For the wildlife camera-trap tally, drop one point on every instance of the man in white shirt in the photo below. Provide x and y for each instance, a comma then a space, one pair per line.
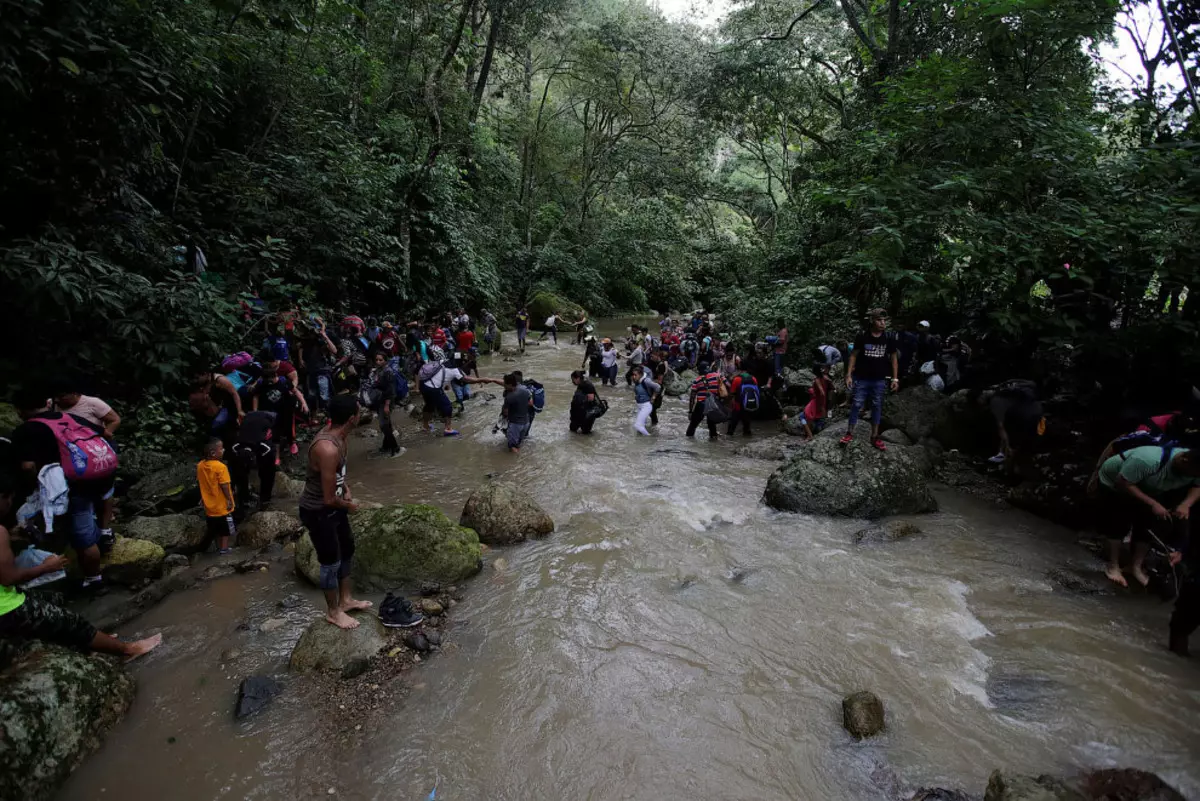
432, 380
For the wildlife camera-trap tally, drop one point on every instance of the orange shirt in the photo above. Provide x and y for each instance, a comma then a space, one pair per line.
212, 474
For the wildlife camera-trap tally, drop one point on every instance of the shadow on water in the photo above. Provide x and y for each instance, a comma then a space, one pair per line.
675, 639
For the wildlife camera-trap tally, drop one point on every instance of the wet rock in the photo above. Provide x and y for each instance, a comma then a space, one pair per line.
771, 449
434, 638
543, 304
56, 705
271, 624
431, 607
429, 588
175, 533
255, 693
1018, 694
356, 668
286, 488
1127, 785
1080, 582
417, 641
1011, 787
916, 411
888, 532
293, 601
401, 544
826, 478
896, 437
502, 514
137, 463
174, 562
131, 562
862, 714
262, 528
251, 566
230, 654
737, 574
171, 489
323, 646
213, 572
938, 794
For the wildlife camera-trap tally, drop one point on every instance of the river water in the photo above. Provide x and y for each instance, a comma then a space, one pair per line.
674, 639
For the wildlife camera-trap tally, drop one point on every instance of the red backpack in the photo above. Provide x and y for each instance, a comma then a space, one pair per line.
83, 452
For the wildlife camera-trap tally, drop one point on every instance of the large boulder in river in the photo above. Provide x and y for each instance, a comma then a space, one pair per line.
862, 714
262, 528
177, 533
916, 411
1012, 787
543, 304
55, 707
673, 384
323, 646
131, 562
502, 514
855, 480
402, 544
171, 489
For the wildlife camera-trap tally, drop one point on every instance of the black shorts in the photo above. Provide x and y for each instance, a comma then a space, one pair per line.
329, 530
220, 526
37, 620
1118, 514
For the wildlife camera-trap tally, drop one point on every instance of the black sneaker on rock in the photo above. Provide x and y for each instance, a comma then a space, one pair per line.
397, 613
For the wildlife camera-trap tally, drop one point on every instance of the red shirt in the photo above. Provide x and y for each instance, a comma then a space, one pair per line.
818, 407
706, 385
390, 342
736, 389
466, 340
439, 337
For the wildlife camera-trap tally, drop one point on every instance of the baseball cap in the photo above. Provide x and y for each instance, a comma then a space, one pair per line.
923, 324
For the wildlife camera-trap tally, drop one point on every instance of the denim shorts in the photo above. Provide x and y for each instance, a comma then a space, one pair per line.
81, 517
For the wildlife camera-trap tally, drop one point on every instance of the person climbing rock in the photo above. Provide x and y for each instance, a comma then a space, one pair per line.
873, 357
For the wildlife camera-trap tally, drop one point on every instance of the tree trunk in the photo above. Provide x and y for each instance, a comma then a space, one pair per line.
486, 67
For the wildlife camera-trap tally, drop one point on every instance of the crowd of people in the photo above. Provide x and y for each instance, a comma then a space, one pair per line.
253, 408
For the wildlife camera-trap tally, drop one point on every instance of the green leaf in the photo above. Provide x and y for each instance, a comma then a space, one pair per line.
71, 66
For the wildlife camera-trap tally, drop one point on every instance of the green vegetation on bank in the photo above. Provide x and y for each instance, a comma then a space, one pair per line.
803, 161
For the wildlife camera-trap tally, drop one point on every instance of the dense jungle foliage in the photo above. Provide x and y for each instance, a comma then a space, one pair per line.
804, 160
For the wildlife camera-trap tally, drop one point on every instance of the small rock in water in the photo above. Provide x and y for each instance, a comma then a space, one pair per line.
862, 714
888, 532
254, 693
434, 637
230, 654
272, 623
293, 601
251, 566
431, 607
1012, 787
738, 574
417, 641
355, 668
429, 588
500, 565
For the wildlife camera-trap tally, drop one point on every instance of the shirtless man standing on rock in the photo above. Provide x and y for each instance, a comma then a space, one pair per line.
325, 506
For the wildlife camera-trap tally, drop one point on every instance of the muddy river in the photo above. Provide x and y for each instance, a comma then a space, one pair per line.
674, 639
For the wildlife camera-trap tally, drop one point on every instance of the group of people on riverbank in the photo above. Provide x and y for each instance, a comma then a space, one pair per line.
253, 410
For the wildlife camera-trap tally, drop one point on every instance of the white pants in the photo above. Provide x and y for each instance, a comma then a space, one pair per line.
643, 414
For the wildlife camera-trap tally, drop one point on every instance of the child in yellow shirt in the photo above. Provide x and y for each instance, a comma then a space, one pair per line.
217, 494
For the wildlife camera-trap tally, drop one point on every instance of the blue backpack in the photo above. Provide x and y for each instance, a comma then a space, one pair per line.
751, 396
539, 395
401, 386
279, 348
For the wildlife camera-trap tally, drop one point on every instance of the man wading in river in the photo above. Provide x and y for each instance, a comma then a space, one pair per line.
325, 506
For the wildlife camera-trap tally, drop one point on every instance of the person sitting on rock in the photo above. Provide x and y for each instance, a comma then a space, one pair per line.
27, 617
867, 375
1146, 492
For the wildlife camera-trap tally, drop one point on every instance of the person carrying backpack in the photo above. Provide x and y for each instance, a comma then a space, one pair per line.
747, 400
1147, 492
88, 465
703, 388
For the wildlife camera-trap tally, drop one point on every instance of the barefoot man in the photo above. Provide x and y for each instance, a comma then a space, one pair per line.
325, 506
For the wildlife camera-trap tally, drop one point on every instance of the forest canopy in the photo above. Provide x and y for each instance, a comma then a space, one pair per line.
970, 162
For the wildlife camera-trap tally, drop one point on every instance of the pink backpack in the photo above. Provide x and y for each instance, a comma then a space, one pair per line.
83, 452
236, 361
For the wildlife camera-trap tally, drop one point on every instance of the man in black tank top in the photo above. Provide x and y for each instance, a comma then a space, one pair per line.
325, 504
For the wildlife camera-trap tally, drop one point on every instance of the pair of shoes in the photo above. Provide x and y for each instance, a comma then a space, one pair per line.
997, 459
846, 440
397, 613
879, 444
450, 433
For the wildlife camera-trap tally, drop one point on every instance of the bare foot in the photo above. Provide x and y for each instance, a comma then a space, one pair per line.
140, 647
341, 619
1114, 575
1140, 575
351, 605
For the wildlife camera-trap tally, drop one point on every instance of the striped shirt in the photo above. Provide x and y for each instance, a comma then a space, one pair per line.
706, 385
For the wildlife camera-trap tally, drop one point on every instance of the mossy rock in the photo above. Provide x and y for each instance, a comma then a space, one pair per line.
178, 533
323, 646
543, 304
401, 544
502, 514
55, 707
9, 419
172, 489
262, 528
286, 488
130, 562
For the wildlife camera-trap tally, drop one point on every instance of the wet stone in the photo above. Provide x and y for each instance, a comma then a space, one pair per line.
431, 607
862, 714
255, 693
417, 641
355, 668
434, 637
